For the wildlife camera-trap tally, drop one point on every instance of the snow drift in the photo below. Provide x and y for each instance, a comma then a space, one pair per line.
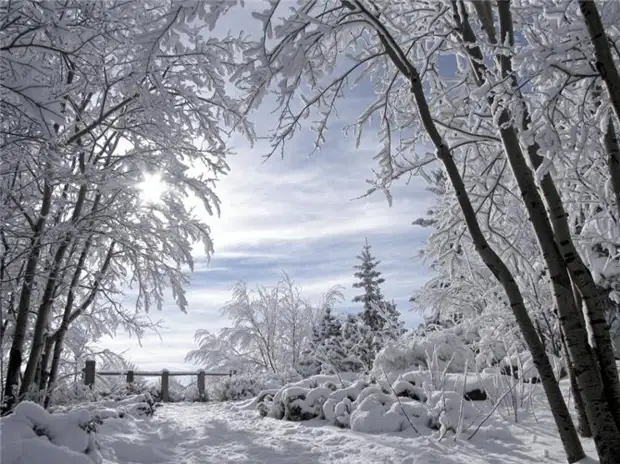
65, 436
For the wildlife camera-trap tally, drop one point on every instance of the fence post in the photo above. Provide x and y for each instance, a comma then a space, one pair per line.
89, 373
130, 385
201, 384
165, 393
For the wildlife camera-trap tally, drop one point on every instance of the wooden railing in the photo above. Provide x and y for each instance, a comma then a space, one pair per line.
90, 372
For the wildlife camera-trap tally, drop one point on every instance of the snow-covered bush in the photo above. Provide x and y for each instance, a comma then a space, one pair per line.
244, 386
32, 435
372, 413
452, 348
73, 391
521, 366
306, 398
479, 343
117, 406
71, 394
65, 434
415, 399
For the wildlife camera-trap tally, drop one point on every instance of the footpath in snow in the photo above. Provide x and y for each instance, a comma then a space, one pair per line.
197, 433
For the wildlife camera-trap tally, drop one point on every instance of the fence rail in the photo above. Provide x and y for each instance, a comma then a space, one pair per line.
90, 373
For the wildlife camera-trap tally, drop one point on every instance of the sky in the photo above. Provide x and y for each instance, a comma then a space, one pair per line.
299, 214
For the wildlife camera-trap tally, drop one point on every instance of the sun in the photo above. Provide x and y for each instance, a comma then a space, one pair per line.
151, 188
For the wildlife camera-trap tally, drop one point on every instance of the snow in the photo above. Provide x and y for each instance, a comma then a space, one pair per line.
31, 434
233, 432
373, 415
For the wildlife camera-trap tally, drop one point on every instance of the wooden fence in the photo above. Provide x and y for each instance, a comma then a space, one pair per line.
90, 373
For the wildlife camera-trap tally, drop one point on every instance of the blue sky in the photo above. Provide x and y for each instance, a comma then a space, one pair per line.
297, 214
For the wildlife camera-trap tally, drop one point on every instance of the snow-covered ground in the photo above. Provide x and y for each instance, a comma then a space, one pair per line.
231, 433
131, 431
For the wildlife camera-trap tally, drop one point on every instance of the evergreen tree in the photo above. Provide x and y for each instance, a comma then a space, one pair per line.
326, 347
393, 327
370, 280
378, 314
379, 321
357, 345
328, 327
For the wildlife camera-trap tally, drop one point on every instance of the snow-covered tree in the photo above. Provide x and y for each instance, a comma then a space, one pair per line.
379, 315
359, 345
369, 279
271, 329
326, 334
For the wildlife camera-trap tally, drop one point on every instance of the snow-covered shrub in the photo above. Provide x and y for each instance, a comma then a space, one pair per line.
264, 403
452, 348
448, 409
106, 387
137, 405
142, 404
32, 435
296, 408
178, 392
233, 389
244, 386
521, 366
72, 394
392, 404
307, 398
479, 343
373, 414
402, 388
342, 413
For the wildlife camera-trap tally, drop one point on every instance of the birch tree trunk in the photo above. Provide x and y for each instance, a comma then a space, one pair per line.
583, 425
604, 59
613, 161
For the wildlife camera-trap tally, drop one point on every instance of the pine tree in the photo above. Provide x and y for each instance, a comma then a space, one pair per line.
329, 326
379, 315
379, 321
356, 344
326, 347
393, 327
370, 280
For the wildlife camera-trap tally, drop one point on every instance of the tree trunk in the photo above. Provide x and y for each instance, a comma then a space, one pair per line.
596, 299
69, 317
38, 338
57, 339
583, 425
612, 148
23, 307
604, 60
45, 361
563, 420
